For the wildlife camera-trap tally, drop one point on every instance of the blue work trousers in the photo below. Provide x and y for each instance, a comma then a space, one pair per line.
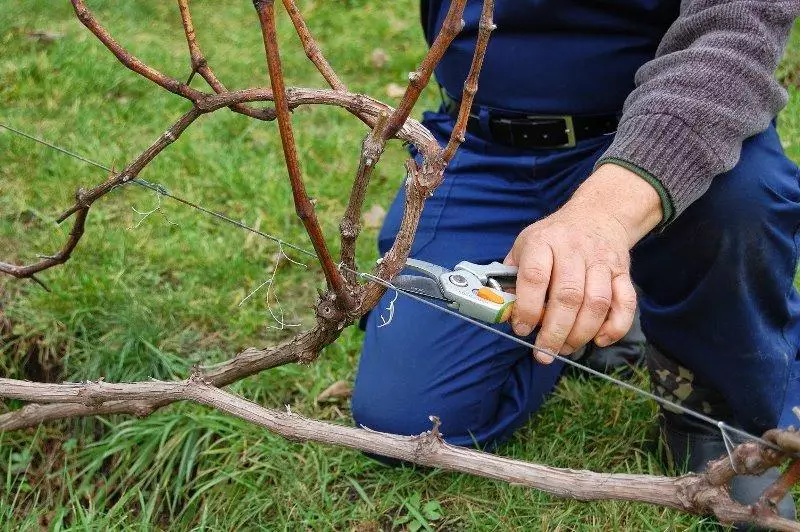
716, 286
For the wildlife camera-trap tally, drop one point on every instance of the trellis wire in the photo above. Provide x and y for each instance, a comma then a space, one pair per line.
161, 190
723, 427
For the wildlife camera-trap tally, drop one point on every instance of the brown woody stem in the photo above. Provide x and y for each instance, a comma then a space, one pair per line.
365, 108
312, 49
485, 28
132, 62
85, 198
421, 181
691, 493
303, 348
303, 206
386, 128
137, 165
63, 254
418, 80
773, 495
200, 65
350, 226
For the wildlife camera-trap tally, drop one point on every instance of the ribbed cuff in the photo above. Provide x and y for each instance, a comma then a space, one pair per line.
664, 150
667, 206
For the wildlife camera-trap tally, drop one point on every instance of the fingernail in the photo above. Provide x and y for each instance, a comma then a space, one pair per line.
522, 329
601, 341
542, 358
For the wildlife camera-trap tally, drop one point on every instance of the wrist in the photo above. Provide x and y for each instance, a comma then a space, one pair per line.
621, 194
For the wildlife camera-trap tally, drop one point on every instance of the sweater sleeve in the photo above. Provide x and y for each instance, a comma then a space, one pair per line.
710, 86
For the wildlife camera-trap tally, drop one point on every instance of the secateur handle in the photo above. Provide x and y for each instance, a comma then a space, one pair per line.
504, 274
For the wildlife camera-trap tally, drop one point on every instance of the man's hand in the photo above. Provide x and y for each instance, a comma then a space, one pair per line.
577, 260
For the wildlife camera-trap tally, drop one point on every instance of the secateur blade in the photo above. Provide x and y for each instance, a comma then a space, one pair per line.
421, 286
428, 284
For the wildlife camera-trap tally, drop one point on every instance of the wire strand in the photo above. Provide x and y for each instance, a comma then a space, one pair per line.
161, 190
722, 426
658, 399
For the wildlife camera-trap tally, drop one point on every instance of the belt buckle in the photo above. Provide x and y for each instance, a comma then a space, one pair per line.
569, 128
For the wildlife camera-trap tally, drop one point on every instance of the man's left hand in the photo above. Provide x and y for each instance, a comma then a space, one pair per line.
574, 265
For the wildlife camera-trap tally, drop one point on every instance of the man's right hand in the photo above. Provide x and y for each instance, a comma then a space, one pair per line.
577, 259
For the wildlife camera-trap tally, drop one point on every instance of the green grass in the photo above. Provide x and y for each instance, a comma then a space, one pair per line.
154, 300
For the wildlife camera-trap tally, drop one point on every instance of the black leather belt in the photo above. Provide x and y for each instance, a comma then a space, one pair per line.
527, 131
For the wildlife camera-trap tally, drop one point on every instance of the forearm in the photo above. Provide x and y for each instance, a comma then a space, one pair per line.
710, 87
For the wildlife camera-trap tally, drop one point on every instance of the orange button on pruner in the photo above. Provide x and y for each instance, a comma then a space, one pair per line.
490, 295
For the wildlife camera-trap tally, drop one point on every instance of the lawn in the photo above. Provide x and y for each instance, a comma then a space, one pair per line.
152, 297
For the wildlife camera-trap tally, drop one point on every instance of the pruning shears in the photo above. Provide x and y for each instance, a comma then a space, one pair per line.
475, 290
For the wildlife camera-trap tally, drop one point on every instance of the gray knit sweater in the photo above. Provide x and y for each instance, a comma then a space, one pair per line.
710, 86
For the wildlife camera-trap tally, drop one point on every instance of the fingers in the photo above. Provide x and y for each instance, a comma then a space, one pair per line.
565, 301
583, 277
621, 314
596, 304
533, 277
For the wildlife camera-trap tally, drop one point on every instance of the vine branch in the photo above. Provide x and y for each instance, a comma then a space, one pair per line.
200, 66
350, 226
88, 19
85, 198
302, 204
311, 48
485, 28
418, 80
60, 257
695, 493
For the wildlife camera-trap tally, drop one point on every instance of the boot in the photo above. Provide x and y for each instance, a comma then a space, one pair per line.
690, 443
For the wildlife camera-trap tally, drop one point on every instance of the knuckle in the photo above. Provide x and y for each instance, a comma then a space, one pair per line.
608, 260
534, 274
550, 347
630, 306
566, 350
616, 329
621, 262
584, 332
526, 306
529, 314
569, 297
574, 243
602, 260
598, 305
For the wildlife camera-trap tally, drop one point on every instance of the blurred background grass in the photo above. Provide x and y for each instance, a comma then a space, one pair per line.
152, 299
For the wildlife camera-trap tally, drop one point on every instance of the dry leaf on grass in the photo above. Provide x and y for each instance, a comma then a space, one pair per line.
393, 90
379, 57
373, 218
337, 390
44, 36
